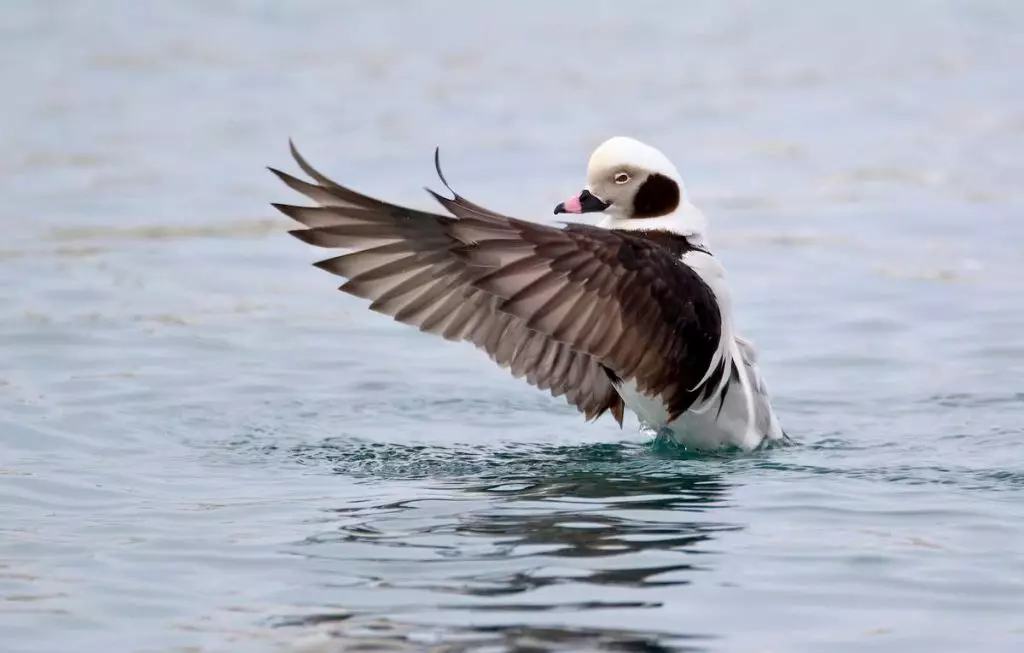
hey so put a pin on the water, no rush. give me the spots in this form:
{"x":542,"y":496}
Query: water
{"x":204,"y":447}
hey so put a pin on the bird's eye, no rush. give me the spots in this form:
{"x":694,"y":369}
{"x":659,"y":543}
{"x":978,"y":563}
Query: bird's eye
{"x":621,"y":178}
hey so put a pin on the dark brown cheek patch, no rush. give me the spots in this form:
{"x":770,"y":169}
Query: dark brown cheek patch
{"x":657,"y":196}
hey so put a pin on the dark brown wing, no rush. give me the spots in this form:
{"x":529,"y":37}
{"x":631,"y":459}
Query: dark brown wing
{"x":408,"y":263}
{"x":618,"y":297}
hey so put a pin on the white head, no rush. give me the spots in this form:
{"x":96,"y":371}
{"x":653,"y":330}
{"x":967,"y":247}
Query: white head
{"x":636,"y":187}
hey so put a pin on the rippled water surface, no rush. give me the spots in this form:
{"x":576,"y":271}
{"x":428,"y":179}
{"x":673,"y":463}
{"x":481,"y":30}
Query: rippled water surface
{"x":205,"y":447}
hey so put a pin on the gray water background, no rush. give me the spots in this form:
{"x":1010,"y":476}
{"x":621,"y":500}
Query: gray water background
{"x":205,"y":447}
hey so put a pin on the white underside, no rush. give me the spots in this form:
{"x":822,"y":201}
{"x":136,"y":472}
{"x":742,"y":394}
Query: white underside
{"x":709,"y":429}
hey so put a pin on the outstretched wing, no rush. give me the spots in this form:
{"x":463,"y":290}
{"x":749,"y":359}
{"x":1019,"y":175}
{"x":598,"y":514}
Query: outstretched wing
{"x":572,"y":310}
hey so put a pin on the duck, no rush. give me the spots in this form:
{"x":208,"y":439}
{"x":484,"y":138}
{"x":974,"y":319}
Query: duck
{"x":631,"y":313}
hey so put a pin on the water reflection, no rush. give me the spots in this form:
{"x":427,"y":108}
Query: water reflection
{"x":488,"y":538}
{"x":349,"y":635}
{"x":608,"y":521}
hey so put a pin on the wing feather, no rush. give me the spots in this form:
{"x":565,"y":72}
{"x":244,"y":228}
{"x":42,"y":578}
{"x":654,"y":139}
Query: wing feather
{"x":573,"y":309}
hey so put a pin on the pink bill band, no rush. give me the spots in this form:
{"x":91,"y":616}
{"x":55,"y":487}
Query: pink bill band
{"x":572,"y":205}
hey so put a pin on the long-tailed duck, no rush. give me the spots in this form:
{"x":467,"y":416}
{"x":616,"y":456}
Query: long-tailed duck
{"x":632,"y":313}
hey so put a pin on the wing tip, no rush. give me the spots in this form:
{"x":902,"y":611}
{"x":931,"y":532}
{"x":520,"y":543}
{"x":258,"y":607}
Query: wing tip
{"x":280,"y":174}
{"x":294,"y":151}
{"x":307,"y":236}
{"x":330,"y":265}
{"x":289,"y":210}
{"x":439,"y":198}
{"x":308,"y":169}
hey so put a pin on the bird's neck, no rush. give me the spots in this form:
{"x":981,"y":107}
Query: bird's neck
{"x":687,"y":221}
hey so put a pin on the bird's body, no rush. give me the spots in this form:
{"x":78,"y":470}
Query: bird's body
{"x":631,"y":313}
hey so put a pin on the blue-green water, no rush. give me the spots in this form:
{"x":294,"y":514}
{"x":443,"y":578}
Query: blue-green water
{"x":204,"y":447}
